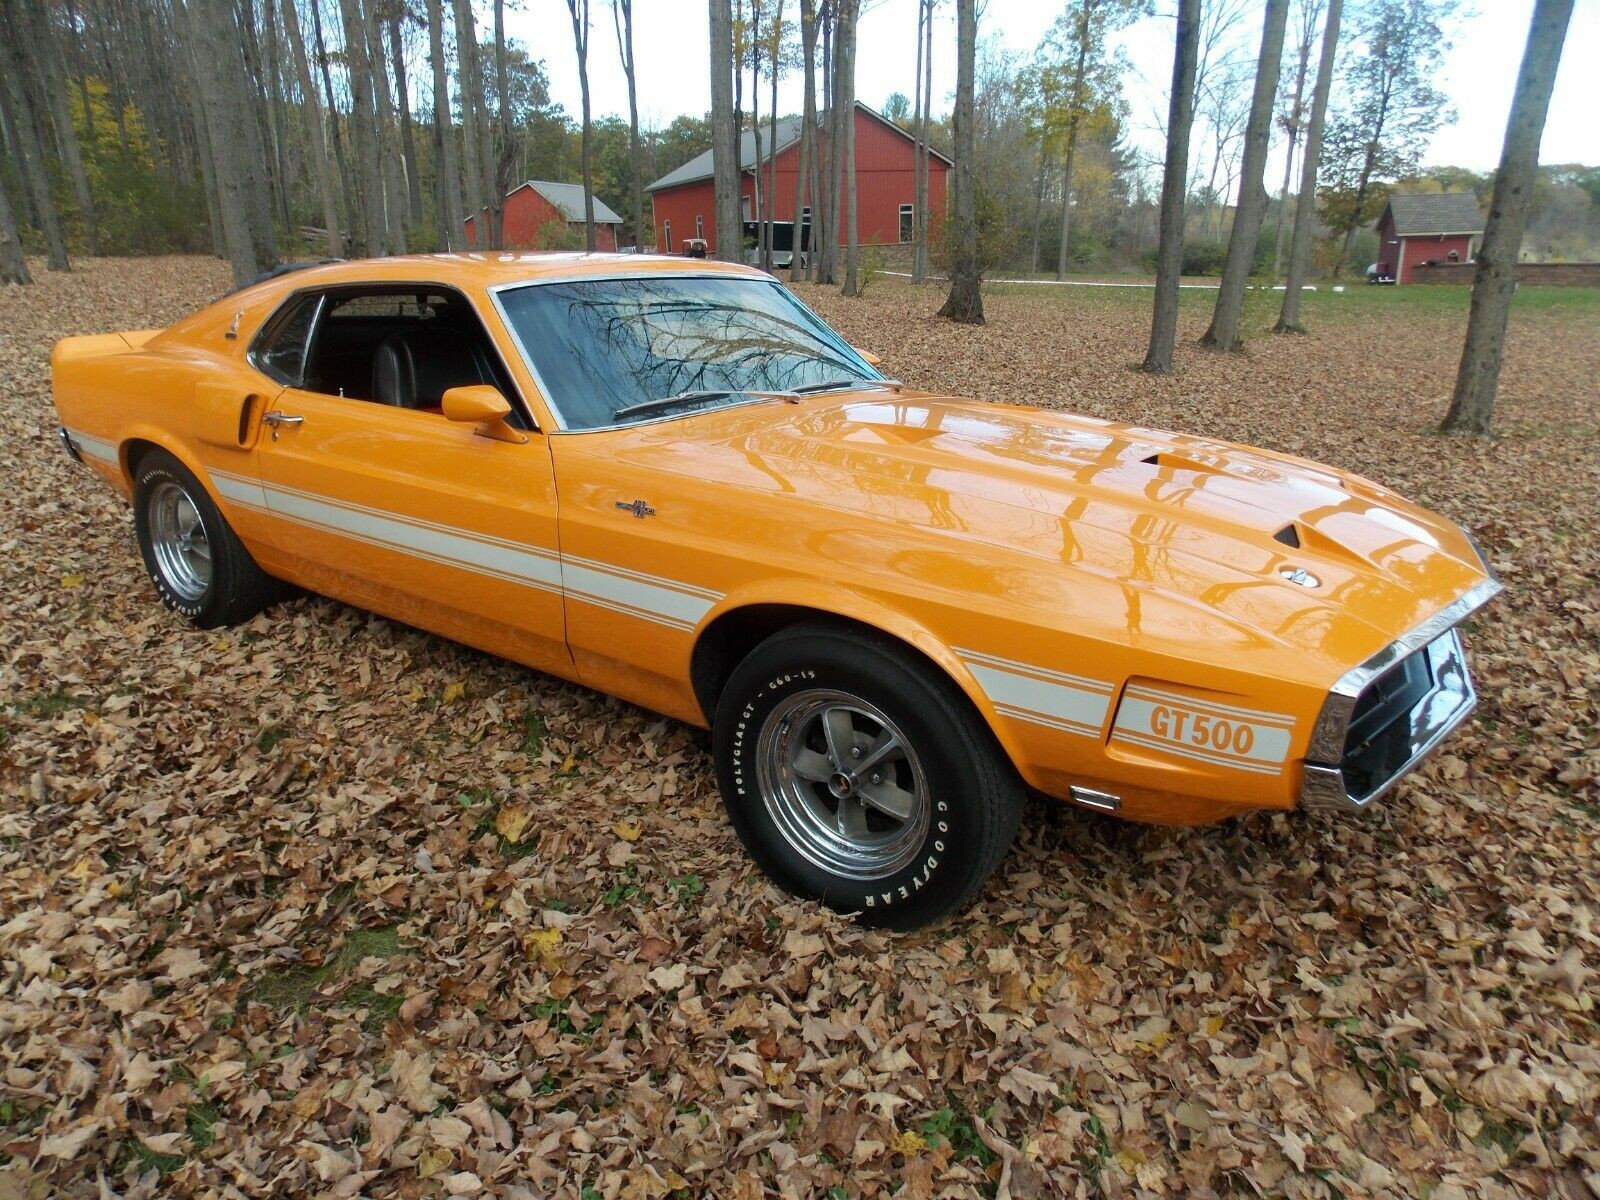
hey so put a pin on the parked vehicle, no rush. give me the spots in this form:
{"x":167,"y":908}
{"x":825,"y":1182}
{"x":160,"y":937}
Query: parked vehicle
{"x":898,"y":611}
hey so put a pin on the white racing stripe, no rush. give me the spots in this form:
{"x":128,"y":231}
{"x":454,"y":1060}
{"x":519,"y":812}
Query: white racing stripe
{"x":1071,"y":703}
{"x":1227,"y":735}
{"x":93,"y":447}
{"x":648,"y":597}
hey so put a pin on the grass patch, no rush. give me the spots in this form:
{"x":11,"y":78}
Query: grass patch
{"x":50,"y":704}
{"x":953,"y":1127}
{"x":148,"y":1159}
{"x":200,"y":1119}
{"x":267,"y":741}
{"x":532,"y":732}
{"x":299,"y":988}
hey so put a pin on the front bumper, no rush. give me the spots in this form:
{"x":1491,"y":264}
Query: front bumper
{"x":1420,"y":688}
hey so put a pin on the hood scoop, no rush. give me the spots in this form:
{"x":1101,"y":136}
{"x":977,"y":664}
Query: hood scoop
{"x":1180,"y":462}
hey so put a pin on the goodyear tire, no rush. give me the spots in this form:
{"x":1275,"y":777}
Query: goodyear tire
{"x":857,"y":775}
{"x":198,"y":565}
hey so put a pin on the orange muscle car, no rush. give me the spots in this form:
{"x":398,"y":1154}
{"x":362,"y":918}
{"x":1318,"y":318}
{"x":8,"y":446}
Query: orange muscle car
{"x":897,"y":611}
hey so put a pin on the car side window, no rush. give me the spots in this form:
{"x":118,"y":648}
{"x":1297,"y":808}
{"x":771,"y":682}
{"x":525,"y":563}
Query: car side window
{"x":280,"y":350}
{"x":402,"y":347}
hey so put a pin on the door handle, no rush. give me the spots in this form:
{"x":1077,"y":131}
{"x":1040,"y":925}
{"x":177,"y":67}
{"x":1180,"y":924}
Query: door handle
{"x":276,"y":419}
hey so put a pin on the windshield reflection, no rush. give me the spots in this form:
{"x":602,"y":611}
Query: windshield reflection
{"x":602,"y":345}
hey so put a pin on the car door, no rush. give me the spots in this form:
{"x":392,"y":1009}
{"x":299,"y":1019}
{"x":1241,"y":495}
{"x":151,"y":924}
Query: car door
{"x":415,"y":516}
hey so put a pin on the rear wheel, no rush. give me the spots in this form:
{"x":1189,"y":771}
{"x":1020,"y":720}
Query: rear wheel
{"x":857,"y":775}
{"x":197,"y":563}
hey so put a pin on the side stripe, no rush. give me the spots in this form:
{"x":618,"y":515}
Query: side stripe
{"x":666,"y":602}
{"x":1065,"y":702}
{"x":1191,"y":752}
{"x":1156,"y":696}
{"x":94,"y":447}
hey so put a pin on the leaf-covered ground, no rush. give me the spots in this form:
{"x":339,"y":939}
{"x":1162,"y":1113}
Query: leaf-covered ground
{"x":327,"y":906}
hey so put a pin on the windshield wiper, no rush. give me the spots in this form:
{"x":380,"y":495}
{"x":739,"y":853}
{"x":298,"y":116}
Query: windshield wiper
{"x":834,"y":385}
{"x":647,"y":406}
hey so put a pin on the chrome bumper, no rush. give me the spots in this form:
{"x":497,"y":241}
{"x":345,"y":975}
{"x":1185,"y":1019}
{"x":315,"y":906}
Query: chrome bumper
{"x":1347,"y":779}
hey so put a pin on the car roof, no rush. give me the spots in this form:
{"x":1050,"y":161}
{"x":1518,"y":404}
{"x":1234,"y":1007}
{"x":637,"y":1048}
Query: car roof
{"x":476,"y":271}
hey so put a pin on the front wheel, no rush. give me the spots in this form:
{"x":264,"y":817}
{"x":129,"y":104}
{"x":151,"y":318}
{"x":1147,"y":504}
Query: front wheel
{"x":857,"y":775}
{"x":198,"y":565}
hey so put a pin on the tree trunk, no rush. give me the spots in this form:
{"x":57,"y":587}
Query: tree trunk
{"x":580,"y":41}
{"x":772,"y":141}
{"x":849,"y":11}
{"x":53,"y":74}
{"x":470,"y":91}
{"x":352,"y":217}
{"x":756,"y":188}
{"x":1368,"y":164}
{"x":820,"y":13}
{"x":808,"y":144}
{"x":1174,"y":187}
{"x":387,"y":136}
{"x":278,"y":110}
{"x":622,"y":17}
{"x":919,"y":258}
{"x":29,"y":148}
{"x":408,"y":139}
{"x":363,"y":130}
{"x":965,"y":302}
{"x":724,"y":134}
{"x":1308,"y":31}
{"x":222,"y":78}
{"x":1062,"y":252}
{"x":1305,"y":206}
{"x":13,"y":266}
{"x":189,"y":40}
{"x":506,"y":153}
{"x":1472,"y":406}
{"x":1224,"y":331}
{"x":311,"y":109}
{"x":447,"y":175}
{"x":828,"y":252}
{"x":1038,"y":207}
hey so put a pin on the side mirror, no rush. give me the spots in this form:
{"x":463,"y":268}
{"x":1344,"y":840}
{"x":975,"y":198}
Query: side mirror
{"x":484,"y":406}
{"x":872,"y":359}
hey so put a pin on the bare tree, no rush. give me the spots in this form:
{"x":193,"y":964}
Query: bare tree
{"x":452,"y":232}
{"x":844,"y":102}
{"x":724,"y":134}
{"x":46,"y":49}
{"x":469,"y":87}
{"x":1174,"y":187}
{"x":1472,"y":406}
{"x":580,"y":41}
{"x":965,"y":301}
{"x":504,"y":145}
{"x":408,"y":140}
{"x":622,"y":17}
{"x":1252,"y":206}
{"x":312,"y":109}
{"x":346,"y":181}
{"x":808,"y":144}
{"x":919,"y":261}
{"x":390,"y":163}
{"x":1294,"y":119}
{"x":1300,"y":241}
{"x":13,"y":266}
{"x":775,"y":58}
{"x":17,"y":95}
{"x":364,"y":132}
{"x":752,"y":42}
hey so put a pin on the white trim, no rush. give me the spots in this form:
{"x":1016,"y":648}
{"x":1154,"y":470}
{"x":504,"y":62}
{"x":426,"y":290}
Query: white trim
{"x":1228,"y":710}
{"x":668,"y":602}
{"x":1069,"y":703}
{"x":1186,"y":752}
{"x":94,"y":447}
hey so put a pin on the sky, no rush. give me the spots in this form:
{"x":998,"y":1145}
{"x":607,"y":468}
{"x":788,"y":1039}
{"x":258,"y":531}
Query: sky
{"x":1478,"y":75}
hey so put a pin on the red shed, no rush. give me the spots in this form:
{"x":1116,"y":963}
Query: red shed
{"x":685,"y":199}
{"x":1418,"y":228}
{"x":531,"y":208}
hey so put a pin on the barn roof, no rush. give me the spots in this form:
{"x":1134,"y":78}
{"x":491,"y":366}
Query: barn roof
{"x":700,"y":166}
{"x":1417,"y":214}
{"x":568,"y":200}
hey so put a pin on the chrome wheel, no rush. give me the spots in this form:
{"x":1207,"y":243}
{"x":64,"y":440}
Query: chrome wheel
{"x":178,"y":538}
{"x":843,"y":784}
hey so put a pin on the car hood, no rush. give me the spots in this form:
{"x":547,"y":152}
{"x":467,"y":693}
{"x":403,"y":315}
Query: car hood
{"x":1296,"y":551}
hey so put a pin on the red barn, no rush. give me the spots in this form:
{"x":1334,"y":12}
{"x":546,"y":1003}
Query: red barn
{"x":685,"y":199}
{"x":1416,"y":229}
{"x":531,"y":208}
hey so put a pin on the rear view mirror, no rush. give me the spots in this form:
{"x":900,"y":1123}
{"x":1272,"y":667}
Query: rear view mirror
{"x":484,"y":406}
{"x":872,"y":359}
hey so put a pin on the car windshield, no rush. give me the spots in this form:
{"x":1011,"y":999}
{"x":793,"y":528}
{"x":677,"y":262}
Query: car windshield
{"x":609,"y":351}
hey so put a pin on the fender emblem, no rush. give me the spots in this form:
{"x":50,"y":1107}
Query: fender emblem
{"x":1300,"y":576}
{"x":637,"y":507}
